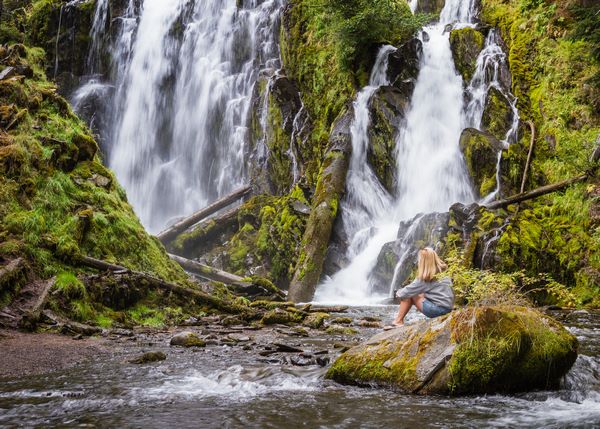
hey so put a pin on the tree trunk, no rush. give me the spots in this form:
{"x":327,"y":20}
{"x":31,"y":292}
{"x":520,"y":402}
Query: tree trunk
{"x":330,"y":187}
{"x":170,"y":233}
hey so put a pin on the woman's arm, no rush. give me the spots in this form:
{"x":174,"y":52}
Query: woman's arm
{"x":413,"y":289}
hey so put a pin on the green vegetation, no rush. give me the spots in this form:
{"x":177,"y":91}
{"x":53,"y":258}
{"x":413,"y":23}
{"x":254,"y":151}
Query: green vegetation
{"x":553,"y":59}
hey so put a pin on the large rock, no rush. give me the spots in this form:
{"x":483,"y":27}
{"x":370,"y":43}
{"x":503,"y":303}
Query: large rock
{"x":466,"y":44}
{"x":187,"y":339}
{"x":497,"y":114}
{"x":430,"y":6}
{"x":387,"y":108}
{"x":470,"y":351}
{"x":400,"y":256}
{"x":403,"y":66}
{"x":480,"y":150}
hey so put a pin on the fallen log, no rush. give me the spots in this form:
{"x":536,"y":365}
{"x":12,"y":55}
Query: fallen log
{"x":170,"y":233}
{"x":193,"y":243}
{"x":330,"y":188}
{"x":198,"y":295}
{"x":11,"y":272}
{"x":205,"y":271}
{"x":524,"y":196}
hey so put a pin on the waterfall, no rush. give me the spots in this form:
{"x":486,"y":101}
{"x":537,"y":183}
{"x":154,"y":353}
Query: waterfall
{"x":491,"y":70}
{"x":182,"y":77}
{"x":431,"y":174}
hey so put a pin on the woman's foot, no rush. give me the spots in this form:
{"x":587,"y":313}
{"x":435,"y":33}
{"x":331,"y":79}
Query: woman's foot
{"x":398,"y":323}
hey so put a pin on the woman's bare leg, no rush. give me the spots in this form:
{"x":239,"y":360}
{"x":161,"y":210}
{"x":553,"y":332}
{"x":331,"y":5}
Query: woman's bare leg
{"x":405,"y":305}
{"x":418,"y":301}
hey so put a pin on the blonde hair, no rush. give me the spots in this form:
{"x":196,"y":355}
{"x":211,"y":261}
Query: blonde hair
{"x":430,"y":264}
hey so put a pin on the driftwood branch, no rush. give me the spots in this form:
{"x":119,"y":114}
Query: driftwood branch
{"x":170,"y":233}
{"x":205,"y":271}
{"x":532,"y":127}
{"x":524,"y":196}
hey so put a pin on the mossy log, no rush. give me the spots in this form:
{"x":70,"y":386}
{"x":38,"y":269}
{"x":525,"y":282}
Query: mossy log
{"x":11,"y":272}
{"x":330,"y":187}
{"x":205,"y":271}
{"x":32,"y":316}
{"x":524,"y":196}
{"x":198,"y":295}
{"x":200,"y":238}
{"x":170,"y":233}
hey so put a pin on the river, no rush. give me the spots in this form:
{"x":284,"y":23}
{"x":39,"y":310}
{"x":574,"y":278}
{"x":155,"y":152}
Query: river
{"x":242,"y":385}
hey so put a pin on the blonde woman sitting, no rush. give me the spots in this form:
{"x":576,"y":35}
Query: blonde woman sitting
{"x":431,"y":294}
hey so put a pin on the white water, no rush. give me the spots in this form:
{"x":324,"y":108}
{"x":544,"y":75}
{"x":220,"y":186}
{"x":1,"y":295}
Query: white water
{"x":430,"y":169}
{"x":183,"y":73}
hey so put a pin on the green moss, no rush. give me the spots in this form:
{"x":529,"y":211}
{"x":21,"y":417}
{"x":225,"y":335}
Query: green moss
{"x":145,"y":316}
{"x":466,"y":44}
{"x":508,"y":349}
{"x":69,"y":286}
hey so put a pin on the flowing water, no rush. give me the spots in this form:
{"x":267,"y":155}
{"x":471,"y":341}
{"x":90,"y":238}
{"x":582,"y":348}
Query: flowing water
{"x":228,"y":387}
{"x":182,"y":78}
{"x":431,"y":175}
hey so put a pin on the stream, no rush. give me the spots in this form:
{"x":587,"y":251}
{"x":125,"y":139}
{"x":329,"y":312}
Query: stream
{"x":239,"y":385}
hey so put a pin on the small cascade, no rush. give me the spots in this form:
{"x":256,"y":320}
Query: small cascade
{"x":491,"y":72}
{"x":97,"y":36}
{"x":298,"y":126}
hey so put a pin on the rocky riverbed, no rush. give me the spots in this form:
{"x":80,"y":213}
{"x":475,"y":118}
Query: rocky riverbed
{"x":273,"y":376}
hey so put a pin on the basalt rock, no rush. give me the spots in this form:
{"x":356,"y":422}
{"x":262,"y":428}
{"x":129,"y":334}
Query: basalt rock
{"x":466,"y":44}
{"x":403,"y":66}
{"x":430,"y":6}
{"x":497,"y":114}
{"x":480,"y":150}
{"x":387,"y":108}
{"x":470,"y":351}
{"x":187,"y":339}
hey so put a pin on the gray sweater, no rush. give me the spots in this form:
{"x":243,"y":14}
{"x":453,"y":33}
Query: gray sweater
{"x":439,"y":292}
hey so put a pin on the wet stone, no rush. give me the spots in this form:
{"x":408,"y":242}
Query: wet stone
{"x":149,"y":357}
{"x":187,"y":339}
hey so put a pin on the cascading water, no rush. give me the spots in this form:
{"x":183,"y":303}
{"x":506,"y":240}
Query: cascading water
{"x":183,"y":75}
{"x":431,"y":174}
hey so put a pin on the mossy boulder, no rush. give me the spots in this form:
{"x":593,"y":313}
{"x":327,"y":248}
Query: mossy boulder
{"x":470,"y":351}
{"x":480,"y":150}
{"x":497,"y":114}
{"x":187,"y":339}
{"x":466,"y":44}
{"x":316,"y":320}
{"x":404,"y":65}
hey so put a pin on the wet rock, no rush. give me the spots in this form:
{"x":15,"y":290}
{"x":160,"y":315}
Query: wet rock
{"x":368,"y":324}
{"x":280,"y":316}
{"x":285,"y":348}
{"x":466,"y":44}
{"x":149,"y":357}
{"x":403,"y":67}
{"x":300,"y":207}
{"x":341,"y":330}
{"x":342,"y":321}
{"x":429,"y":229}
{"x":387,"y":108}
{"x":497,"y":114}
{"x":316,"y":320}
{"x":480,"y":151}
{"x":430,"y":6}
{"x":470,"y":351}
{"x":187,"y":339}
{"x":239,"y":338}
